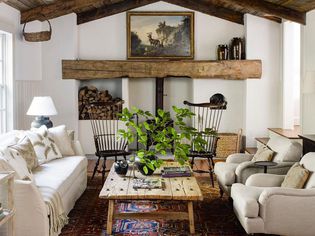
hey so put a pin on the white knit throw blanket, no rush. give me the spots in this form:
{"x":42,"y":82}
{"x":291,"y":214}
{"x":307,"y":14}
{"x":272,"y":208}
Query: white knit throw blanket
{"x":57,"y":216}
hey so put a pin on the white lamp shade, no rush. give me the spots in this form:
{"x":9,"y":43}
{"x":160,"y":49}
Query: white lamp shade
{"x":309,"y":82}
{"x":42,"y":106}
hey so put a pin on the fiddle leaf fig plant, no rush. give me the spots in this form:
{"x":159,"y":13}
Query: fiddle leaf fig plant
{"x":163,"y":133}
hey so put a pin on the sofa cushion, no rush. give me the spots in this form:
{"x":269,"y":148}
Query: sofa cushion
{"x":245,"y":199}
{"x":62,"y":139}
{"x":44,"y":145}
{"x":263,"y":154}
{"x":308,"y":161}
{"x":285,"y":149}
{"x":296,"y":177}
{"x":9,"y":138}
{"x":59,"y":174}
{"x":26,"y":150}
{"x":225,"y":172}
{"x":11,"y":160}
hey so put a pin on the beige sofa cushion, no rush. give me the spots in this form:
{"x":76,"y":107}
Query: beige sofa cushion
{"x":296,"y":177}
{"x":225,"y":172}
{"x":44,"y":145}
{"x":25,"y":149}
{"x":308,"y":163}
{"x":263,"y":154}
{"x":245,"y":199}
{"x":62,"y":139}
{"x":285,"y":149}
{"x":61,"y":173}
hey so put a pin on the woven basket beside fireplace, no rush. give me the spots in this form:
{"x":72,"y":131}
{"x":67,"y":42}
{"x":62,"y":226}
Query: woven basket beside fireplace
{"x":37,"y":36}
{"x":228,"y":143}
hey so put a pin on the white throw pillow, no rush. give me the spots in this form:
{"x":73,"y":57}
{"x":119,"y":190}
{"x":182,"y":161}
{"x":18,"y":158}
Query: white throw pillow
{"x":12,"y":161}
{"x":26,"y":150}
{"x":44,"y":145}
{"x":62,"y":139}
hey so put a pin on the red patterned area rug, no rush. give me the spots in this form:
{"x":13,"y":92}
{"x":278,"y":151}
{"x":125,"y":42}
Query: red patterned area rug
{"x":213,"y":216}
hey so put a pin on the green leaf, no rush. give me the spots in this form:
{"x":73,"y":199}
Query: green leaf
{"x":145,"y":170}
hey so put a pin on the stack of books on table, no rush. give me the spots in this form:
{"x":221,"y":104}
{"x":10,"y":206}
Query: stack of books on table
{"x":183,"y":171}
{"x":149,"y":183}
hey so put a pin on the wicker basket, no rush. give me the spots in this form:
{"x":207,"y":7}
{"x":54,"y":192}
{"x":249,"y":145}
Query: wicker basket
{"x":228,"y":144}
{"x":37,"y":36}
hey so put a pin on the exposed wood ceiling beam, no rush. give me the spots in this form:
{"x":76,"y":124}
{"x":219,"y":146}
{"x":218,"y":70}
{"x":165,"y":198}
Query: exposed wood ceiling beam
{"x":112,"y":9}
{"x":60,"y":8}
{"x":267,"y":9}
{"x":210,"y":9}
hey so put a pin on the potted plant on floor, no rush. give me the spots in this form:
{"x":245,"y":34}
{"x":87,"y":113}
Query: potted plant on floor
{"x":162,"y":136}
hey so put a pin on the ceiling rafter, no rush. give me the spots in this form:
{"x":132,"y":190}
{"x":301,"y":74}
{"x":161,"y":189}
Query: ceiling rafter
{"x":232,"y":10}
{"x":112,"y":9}
{"x":266,"y":9}
{"x":211,"y":9}
{"x":60,"y":8}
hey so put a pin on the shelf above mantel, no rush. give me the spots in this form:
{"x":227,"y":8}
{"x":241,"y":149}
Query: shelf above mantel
{"x":231,"y":70}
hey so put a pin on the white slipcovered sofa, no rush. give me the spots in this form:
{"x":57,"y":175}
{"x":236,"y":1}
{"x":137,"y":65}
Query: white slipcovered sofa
{"x":238,"y":167}
{"x":66,"y":175}
{"x":262,"y":206}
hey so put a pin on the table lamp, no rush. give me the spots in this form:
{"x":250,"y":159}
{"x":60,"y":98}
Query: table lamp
{"x":42,"y":107}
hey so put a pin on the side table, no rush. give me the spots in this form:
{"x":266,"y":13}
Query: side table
{"x":265,"y":164}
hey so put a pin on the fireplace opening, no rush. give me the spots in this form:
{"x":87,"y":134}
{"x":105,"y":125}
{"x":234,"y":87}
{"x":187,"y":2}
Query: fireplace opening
{"x":90,"y":94}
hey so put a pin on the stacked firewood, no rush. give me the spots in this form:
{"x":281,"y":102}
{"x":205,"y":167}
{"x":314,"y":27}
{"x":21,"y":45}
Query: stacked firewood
{"x":89,"y":95}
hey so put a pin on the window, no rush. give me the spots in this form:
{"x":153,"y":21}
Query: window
{"x":6,"y":82}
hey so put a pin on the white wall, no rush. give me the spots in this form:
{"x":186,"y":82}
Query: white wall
{"x":308,"y":67}
{"x":263,"y":97}
{"x":63,"y":45}
{"x":27,"y":71}
{"x":253,"y":105}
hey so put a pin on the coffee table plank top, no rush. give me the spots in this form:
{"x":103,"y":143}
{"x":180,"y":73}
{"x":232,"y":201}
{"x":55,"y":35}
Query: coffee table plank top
{"x":179,"y":188}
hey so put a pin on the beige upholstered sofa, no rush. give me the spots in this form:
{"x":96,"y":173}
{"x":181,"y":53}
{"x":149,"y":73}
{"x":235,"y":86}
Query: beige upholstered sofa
{"x":66,"y":175}
{"x":262,"y":206}
{"x":238,"y":167}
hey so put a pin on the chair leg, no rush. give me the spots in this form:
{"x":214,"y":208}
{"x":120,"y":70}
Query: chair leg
{"x":104,"y":170}
{"x":125,"y":157}
{"x":96,"y":166}
{"x":192,"y":162}
{"x":210,"y":170}
{"x":221,"y":192}
{"x":115,"y":158}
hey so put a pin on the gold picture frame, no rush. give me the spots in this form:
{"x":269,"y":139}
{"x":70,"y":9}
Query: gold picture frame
{"x":160,"y":35}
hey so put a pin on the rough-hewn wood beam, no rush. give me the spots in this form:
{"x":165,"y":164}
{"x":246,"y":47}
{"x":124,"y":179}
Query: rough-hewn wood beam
{"x":210,"y":9}
{"x":60,"y":8}
{"x":86,"y":70}
{"x":264,"y":8}
{"x":112,"y":9}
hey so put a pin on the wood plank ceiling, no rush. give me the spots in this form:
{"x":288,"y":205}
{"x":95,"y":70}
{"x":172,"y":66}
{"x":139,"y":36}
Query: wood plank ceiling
{"x":232,"y":10}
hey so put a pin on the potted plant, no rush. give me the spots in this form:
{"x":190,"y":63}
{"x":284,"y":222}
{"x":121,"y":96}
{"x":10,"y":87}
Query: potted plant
{"x":162,"y":136}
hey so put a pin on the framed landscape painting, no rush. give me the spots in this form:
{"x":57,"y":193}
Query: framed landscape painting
{"x":160,"y":35}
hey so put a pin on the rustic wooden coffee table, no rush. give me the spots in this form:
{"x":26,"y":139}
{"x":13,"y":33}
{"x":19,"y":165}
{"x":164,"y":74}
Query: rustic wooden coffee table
{"x":185,"y":189}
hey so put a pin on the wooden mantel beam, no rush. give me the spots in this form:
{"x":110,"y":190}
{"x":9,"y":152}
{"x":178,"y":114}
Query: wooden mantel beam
{"x":112,"y":9}
{"x":89,"y":69}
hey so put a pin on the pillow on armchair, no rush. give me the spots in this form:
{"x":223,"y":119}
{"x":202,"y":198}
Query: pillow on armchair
{"x":296,"y":177}
{"x":263,"y":154}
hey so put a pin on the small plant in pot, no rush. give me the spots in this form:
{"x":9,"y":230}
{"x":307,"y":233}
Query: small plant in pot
{"x":161,"y":136}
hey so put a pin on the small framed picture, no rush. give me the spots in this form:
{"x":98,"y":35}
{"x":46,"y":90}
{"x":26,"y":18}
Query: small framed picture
{"x":160,"y":35}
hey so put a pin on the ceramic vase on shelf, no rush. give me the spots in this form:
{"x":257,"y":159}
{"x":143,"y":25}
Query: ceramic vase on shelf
{"x":237,"y":49}
{"x":223,"y":52}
